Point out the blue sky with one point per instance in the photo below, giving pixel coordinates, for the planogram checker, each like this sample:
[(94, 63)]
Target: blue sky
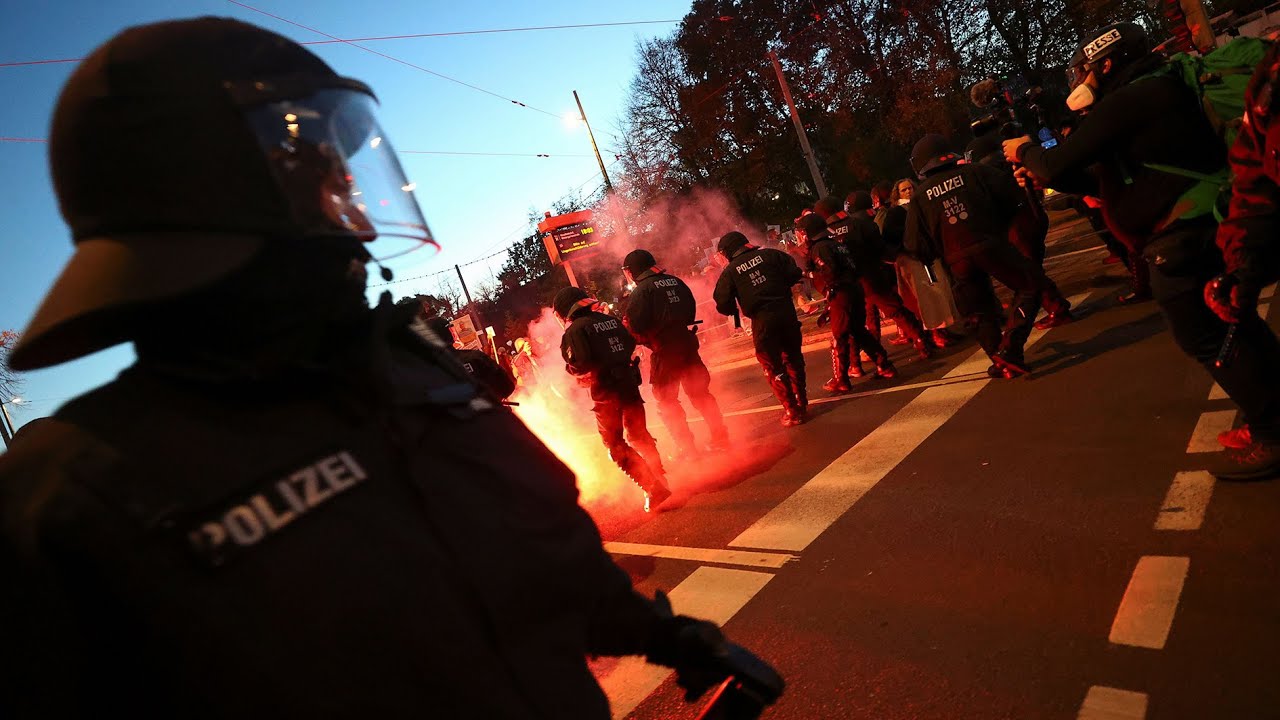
[(475, 204)]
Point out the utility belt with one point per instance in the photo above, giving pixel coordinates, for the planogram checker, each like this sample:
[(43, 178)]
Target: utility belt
[(621, 376)]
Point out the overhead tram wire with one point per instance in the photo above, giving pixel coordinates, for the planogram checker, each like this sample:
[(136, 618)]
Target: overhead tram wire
[(406, 63), (381, 38)]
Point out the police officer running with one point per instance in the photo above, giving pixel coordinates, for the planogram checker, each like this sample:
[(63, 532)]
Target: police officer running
[(961, 214), (290, 505), (598, 351), (759, 280), (661, 313), (1141, 121), (835, 275)]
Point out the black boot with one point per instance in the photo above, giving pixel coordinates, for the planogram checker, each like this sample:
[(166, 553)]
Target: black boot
[(1257, 461)]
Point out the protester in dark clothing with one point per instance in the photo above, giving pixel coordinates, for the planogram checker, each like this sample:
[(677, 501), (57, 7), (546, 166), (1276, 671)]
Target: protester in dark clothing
[(291, 504), (485, 370), (1140, 118), (661, 313), (758, 281)]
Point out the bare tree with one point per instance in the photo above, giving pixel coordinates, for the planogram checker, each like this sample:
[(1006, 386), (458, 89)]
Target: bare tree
[(10, 382)]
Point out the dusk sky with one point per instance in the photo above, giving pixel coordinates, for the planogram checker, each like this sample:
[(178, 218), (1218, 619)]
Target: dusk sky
[(475, 204)]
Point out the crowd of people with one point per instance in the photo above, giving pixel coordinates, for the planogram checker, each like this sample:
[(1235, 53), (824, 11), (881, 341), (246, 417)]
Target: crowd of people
[(293, 504)]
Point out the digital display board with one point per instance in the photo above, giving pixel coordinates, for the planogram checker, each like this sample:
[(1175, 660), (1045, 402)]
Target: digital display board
[(570, 236)]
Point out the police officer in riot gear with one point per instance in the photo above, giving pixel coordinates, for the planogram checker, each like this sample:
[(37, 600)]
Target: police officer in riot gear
[(661, 313), (759, 280), (486, 371), (1141, 121), (598, 350), (290, 505), (1028, 231), (961, 214), (835, 275), (874, 264)]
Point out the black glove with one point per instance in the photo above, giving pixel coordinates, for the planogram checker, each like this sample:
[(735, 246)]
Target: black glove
[(695, 649), (1230, 299)]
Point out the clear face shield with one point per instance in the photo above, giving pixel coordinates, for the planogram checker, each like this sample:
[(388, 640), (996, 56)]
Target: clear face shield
[(333, 164)]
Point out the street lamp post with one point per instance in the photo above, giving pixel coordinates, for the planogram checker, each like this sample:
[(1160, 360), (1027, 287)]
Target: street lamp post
[(6, 423)]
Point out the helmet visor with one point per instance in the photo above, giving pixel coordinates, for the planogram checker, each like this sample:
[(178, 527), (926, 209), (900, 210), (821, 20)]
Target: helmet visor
[(1077, 73), (338, 171)]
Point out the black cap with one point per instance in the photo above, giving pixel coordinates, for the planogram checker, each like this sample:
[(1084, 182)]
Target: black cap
[(859, 200), (932, 151), (730, 242), (828, 206), (566, 300), (637, 261), (812, 224)]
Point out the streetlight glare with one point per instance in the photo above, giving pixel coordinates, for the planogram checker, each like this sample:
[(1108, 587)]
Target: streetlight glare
[(571, 119)]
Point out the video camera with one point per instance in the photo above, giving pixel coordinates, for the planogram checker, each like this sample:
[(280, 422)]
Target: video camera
[(751, 687), (1013, 113)]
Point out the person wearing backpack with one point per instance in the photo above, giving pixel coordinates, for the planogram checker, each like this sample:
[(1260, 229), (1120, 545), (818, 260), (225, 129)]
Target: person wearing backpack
[(1248, 236), (1149, 151)]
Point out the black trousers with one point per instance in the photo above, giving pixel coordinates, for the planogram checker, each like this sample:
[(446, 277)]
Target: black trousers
[(849, 333), (1028, 234), (673, 371), (971, 277), (622, 413), (776, 334), (882, 294), (1183, 259)]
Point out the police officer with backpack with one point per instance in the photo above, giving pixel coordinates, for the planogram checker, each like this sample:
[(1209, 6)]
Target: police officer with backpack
[(961, 214), (290, 505), (1147, 149), (757, 282)]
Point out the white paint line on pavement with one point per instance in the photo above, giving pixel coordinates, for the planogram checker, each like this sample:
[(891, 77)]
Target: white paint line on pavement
[(711, 555), (1204, 438), (810, 510), (1187, 501), (1217, 393), (1146, 611), (866, 393), (1105, 703), (1264, 311), (1267, 292), (714, 594)]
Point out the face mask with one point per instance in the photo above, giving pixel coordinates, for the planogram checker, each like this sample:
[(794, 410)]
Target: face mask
[(1081, 98)]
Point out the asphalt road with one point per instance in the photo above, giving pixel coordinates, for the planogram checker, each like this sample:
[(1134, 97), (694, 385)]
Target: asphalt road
[(946, 546)]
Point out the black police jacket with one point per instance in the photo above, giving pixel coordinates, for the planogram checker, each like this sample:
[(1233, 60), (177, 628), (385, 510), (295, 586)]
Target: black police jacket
[(960, 210), (759, 280), (597, 349), (830, 265), (487, 373), (1143, 120), (659, 313), (338, 545)]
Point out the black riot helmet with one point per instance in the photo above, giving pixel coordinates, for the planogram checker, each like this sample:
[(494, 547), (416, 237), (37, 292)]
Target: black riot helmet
[(931, 152), (828, 206), (637, 262), (812, 225), (860, 201), (179, 149), (731, 242), (568, 300), (1121, 43)]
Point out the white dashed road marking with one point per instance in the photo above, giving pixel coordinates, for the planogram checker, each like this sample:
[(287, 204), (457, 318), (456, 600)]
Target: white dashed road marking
[(1147, 609), (1105, 703), (711, 555), (1185, 505), (1204, 438)]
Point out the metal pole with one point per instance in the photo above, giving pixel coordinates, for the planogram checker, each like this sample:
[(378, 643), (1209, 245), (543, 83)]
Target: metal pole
[(466, 292), (795, 118), (6, 425), (608, 186)]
